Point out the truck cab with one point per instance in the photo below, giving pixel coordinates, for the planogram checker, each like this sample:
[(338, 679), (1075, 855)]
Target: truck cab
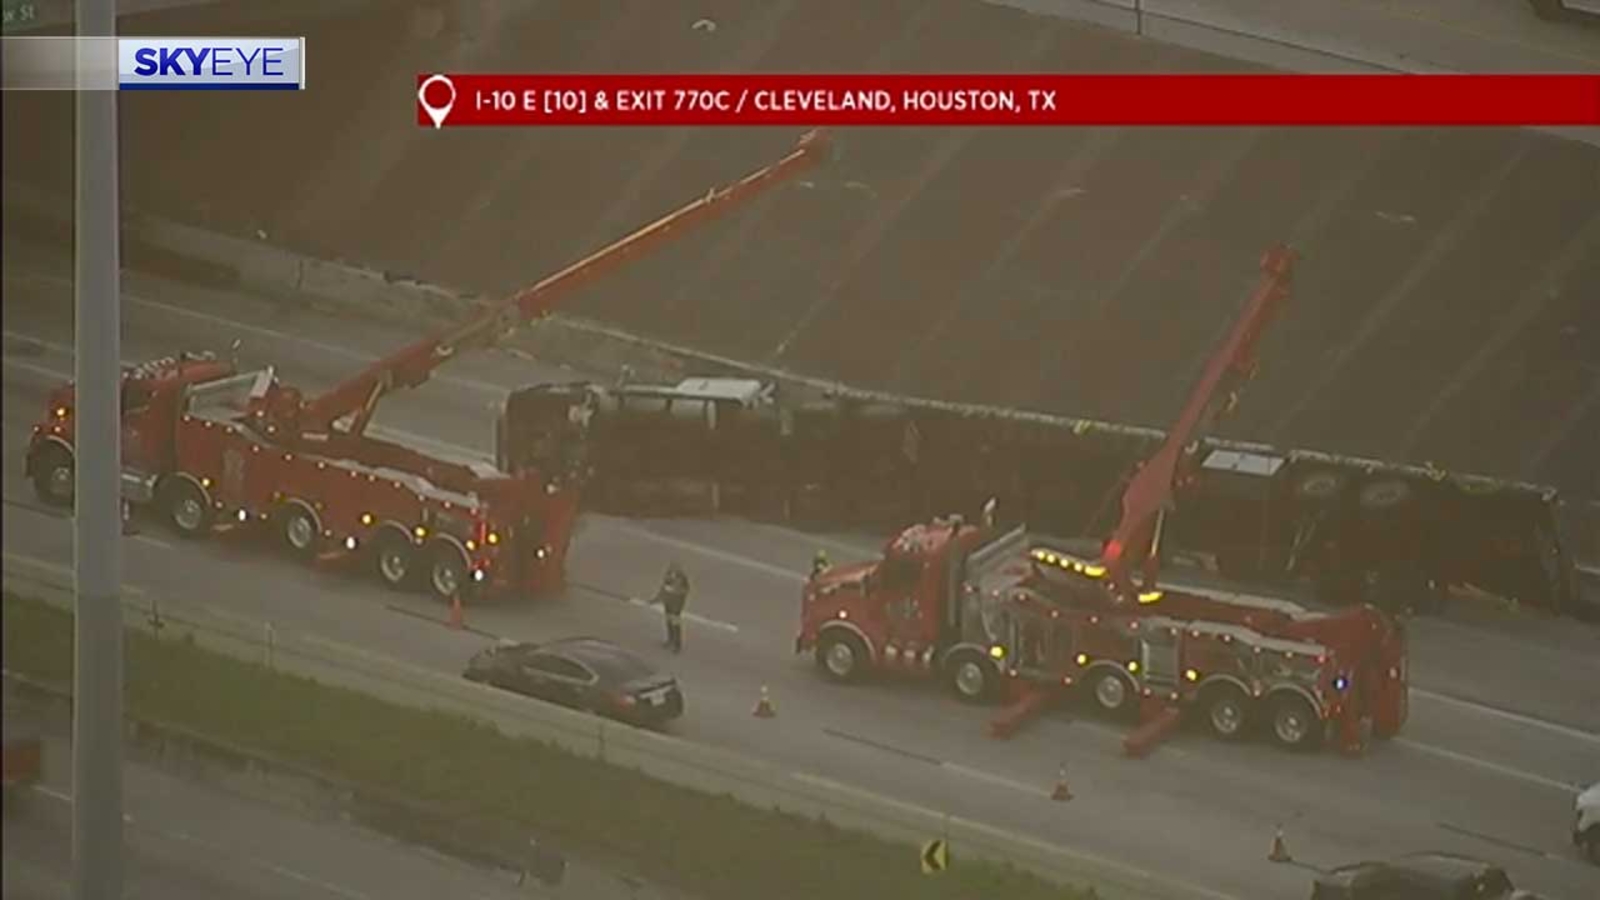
[(913, 610), (153, 394)]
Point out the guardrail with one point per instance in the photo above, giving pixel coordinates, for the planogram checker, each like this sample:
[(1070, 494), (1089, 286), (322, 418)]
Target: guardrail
[(662, 756)]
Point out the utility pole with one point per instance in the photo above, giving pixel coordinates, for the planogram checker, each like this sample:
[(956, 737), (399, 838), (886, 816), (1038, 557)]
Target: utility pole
[(97, 871)]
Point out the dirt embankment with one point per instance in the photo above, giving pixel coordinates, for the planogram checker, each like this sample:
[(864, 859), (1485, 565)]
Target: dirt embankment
[(1448, 305)]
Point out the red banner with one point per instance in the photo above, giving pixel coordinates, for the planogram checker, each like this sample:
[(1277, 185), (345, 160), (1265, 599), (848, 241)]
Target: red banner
[(833, 100)]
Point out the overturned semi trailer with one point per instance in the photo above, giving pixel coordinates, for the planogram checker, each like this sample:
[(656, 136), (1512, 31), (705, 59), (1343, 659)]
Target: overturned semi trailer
[(1358, 529)]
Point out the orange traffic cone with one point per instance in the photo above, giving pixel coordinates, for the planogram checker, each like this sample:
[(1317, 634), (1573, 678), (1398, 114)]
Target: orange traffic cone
[(1061, 793), (1280, 851), (764, 708), (457, 618)]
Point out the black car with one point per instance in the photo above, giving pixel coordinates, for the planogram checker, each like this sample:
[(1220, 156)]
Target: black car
[(1418, 876), (582, 673)]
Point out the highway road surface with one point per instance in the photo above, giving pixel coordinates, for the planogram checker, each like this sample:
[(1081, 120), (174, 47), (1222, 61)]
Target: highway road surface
[(1503, 725), (188, 841), (1406, 35)]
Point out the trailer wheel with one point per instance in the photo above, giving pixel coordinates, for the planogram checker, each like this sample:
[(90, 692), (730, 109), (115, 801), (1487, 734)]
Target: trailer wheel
[(841, 656), (53, 476), (1227, 712), (447, 571), (299, 529), (392, 558), (186, 508), (1112, 692), (1295, 725), (972, 678)]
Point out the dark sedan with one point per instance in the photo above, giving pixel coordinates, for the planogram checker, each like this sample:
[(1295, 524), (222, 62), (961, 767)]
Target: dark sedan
[(1419, 876), (582, 673)]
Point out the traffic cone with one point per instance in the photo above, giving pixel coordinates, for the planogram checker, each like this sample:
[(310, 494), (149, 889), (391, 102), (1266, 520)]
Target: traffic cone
[(457, 618), (1280, 850), (764, 708), (1061, 793)]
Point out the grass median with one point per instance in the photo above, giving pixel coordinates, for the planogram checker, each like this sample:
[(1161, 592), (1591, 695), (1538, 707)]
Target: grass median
[(709, 846)]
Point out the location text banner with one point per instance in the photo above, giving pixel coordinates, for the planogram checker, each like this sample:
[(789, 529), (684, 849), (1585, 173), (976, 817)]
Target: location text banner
[(1008, 99)]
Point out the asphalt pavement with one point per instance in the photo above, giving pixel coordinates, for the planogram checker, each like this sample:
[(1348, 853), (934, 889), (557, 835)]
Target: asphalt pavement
[(188, 841), (1505, 714)]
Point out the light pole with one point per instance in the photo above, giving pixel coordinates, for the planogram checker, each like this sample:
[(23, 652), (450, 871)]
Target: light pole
[(97, 871)]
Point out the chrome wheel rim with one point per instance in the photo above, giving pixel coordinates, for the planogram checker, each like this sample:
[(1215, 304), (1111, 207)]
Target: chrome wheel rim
[(841, 659), (1290, 726), (445, 579), (61, 481), (300, 532), (189, 513), (1226, 717), (970, 680), (1111, 692), (392, 563)]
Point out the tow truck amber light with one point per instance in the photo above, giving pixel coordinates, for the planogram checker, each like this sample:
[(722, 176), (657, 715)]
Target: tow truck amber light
[(61, 412), (205, 482), (1083, 659), (997, 651), (471, 544), (1191, 675), (1094, 571), (542, 552), (420, 532), (493, 539), (1149, 596), (1133, 665), (366, 518)]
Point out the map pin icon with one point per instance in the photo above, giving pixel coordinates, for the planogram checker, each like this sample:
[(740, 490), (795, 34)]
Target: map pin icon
[(437, 112)]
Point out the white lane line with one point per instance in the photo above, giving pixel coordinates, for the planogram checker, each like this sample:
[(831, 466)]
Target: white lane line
[(332, 349), (1577, 734), (47, 372), (1003, 838), (712, 552), (688, 616), (281, 871), (1031, 790), (1487, 766), (153, 542)]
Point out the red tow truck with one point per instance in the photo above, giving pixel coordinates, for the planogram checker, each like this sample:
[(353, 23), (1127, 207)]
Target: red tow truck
[(210, 448), (1016, 617)]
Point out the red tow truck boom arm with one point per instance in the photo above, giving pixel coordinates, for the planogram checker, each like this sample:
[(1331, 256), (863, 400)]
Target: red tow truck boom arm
[(413, 365), (1151, 490)]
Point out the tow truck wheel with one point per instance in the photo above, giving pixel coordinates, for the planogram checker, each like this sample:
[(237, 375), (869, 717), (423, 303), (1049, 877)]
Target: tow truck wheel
[(392, 558), (1227, 712), (1111, 691), (972, 678), (1295, 725), (53, 476), (840, 656), (447, 574), (299, 530), (186, 508)]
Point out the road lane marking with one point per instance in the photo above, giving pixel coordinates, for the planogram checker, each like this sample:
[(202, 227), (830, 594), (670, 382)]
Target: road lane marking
[(1577, 734), (1484, 764), (712, 552), (1497, 841), (1031, 790), (331, 349), (1004, 837), (641, 603), (881, 746)]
